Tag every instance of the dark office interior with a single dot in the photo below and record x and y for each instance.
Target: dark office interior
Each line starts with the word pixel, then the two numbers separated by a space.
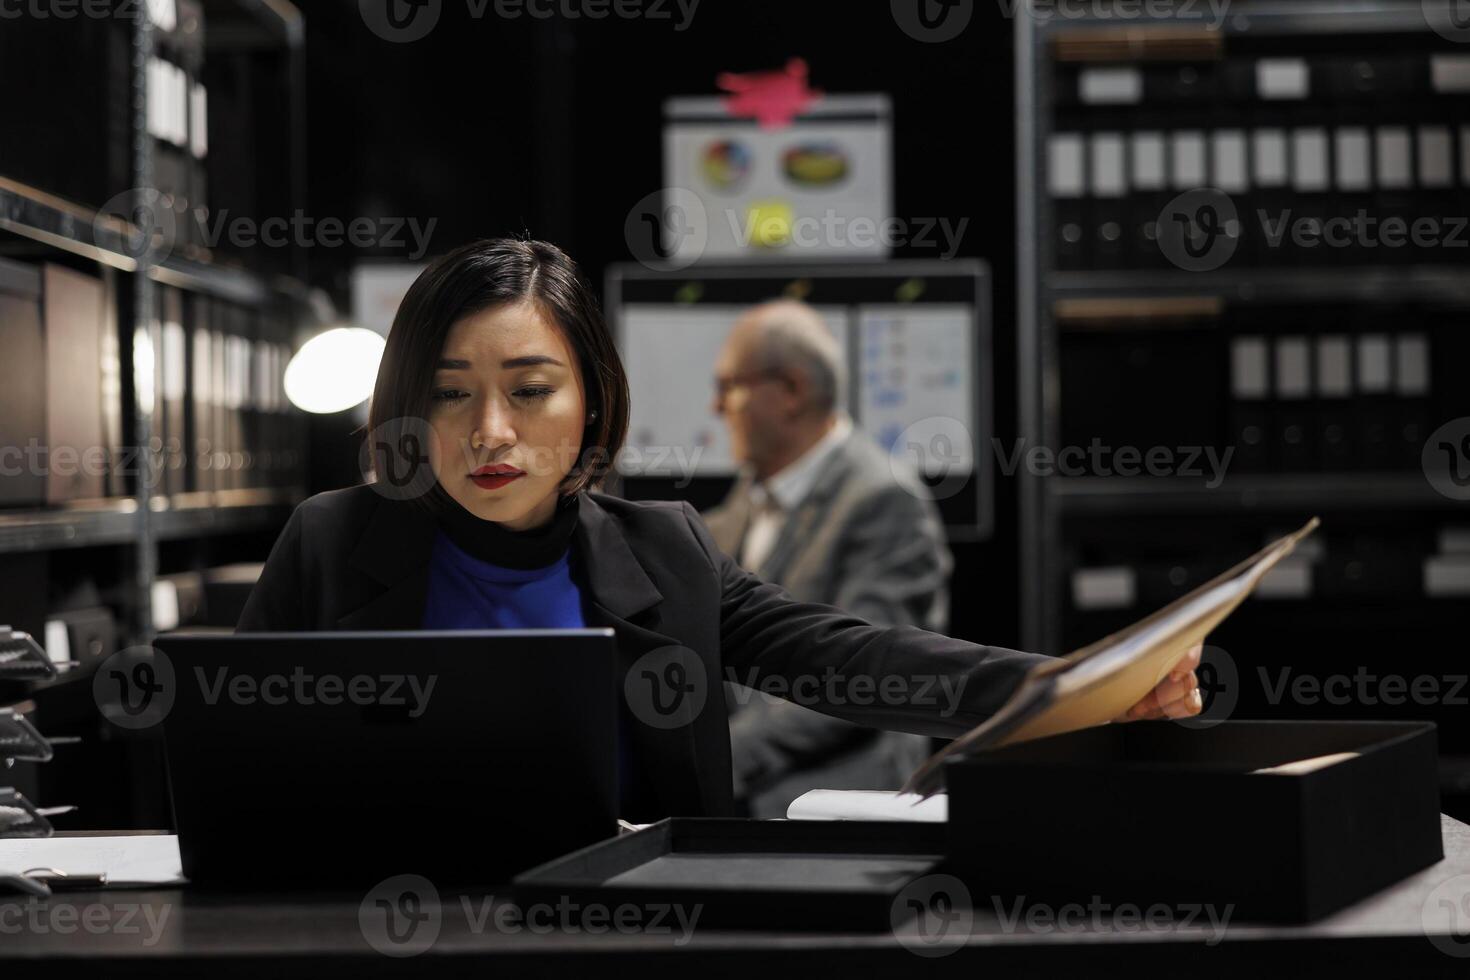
pixel 1122 292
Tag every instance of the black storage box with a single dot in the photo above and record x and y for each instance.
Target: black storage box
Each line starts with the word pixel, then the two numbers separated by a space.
pixel 1157 812
pixel 758 874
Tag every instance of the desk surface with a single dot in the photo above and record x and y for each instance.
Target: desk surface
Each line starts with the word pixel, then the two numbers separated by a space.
pixel 1406 929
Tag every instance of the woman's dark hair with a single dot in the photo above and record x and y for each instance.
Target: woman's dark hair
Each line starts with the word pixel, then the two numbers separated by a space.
pixel 491 273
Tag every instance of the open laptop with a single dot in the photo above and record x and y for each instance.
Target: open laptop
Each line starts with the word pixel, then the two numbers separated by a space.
pixel 340 759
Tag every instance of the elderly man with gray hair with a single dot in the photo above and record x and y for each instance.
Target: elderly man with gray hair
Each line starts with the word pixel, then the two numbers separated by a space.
pixel 819 510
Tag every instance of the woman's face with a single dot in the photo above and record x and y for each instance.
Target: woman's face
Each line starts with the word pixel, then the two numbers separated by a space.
pixel 507 409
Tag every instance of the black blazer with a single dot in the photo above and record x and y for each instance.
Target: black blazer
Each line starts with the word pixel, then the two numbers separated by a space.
pixel 356 560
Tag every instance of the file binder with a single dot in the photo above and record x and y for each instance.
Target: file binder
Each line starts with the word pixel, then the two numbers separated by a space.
pixel 1374 383
pixel 22 383
pixel 171 383
pixel 1148 193
pixel 219 378
pixel 73 306
pixel 1249 387
pixel 1107 185
pixel 1067 182
pixel 201 385
pixel 1333 365
pixel 1413 417
pixel 1393 148
pixel 1271 193
pixel 1294 429
pixel 111 391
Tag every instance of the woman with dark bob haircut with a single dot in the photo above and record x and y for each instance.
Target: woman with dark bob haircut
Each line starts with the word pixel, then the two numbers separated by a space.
pixel 500 404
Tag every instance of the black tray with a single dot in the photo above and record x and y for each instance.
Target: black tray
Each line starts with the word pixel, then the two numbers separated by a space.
pixel 759 874
pixel 1158 812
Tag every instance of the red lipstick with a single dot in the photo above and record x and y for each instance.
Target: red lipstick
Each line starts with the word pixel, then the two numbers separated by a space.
pixel 496 476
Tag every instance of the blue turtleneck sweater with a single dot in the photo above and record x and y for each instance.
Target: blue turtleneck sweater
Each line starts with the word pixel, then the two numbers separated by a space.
pixel 466 593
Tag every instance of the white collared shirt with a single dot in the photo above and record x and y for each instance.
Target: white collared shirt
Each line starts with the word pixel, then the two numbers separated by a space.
pixel 773 500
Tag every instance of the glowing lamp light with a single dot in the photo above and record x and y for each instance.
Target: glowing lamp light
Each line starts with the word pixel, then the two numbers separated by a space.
pixel 334 370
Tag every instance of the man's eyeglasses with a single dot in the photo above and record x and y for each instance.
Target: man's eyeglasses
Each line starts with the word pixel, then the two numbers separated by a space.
pixel 724 385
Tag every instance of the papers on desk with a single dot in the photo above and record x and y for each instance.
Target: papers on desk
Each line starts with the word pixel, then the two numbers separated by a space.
pixel 143 858
pixel 1100 682
pixel 1302 766
pixel 864 804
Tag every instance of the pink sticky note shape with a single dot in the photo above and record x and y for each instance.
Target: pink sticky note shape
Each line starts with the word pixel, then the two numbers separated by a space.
pixel 771 98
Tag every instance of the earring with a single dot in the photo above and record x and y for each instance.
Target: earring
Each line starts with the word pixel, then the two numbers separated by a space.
pixel 592 416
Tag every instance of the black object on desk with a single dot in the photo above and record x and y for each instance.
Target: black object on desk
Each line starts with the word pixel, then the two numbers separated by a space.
pixel 772 874
pixel 1159 812
pixel 1413 929
pixel 463 757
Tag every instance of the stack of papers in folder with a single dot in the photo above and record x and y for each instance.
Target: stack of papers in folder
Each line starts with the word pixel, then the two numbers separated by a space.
pixel 1100 682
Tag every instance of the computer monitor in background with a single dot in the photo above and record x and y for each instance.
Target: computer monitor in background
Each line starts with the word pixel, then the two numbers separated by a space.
pixel 916 335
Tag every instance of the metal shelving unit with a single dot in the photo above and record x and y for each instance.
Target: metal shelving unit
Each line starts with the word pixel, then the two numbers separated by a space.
pixel 118 779
pixel 103 238
pixel 1051 301
pixel 115 521
pixel 1121 496
pixel 147 518
pixel 1446 284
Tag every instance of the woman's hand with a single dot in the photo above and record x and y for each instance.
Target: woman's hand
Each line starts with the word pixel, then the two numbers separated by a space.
pixel 1176 696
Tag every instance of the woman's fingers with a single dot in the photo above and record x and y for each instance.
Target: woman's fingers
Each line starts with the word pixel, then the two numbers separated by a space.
pixel 1146 709
pixel 1189 662
pixel 1185 707
pixel 1176 696
pixel 1170 690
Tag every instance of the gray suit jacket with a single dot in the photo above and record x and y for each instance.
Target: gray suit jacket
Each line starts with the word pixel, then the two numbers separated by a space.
pixel 869 541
